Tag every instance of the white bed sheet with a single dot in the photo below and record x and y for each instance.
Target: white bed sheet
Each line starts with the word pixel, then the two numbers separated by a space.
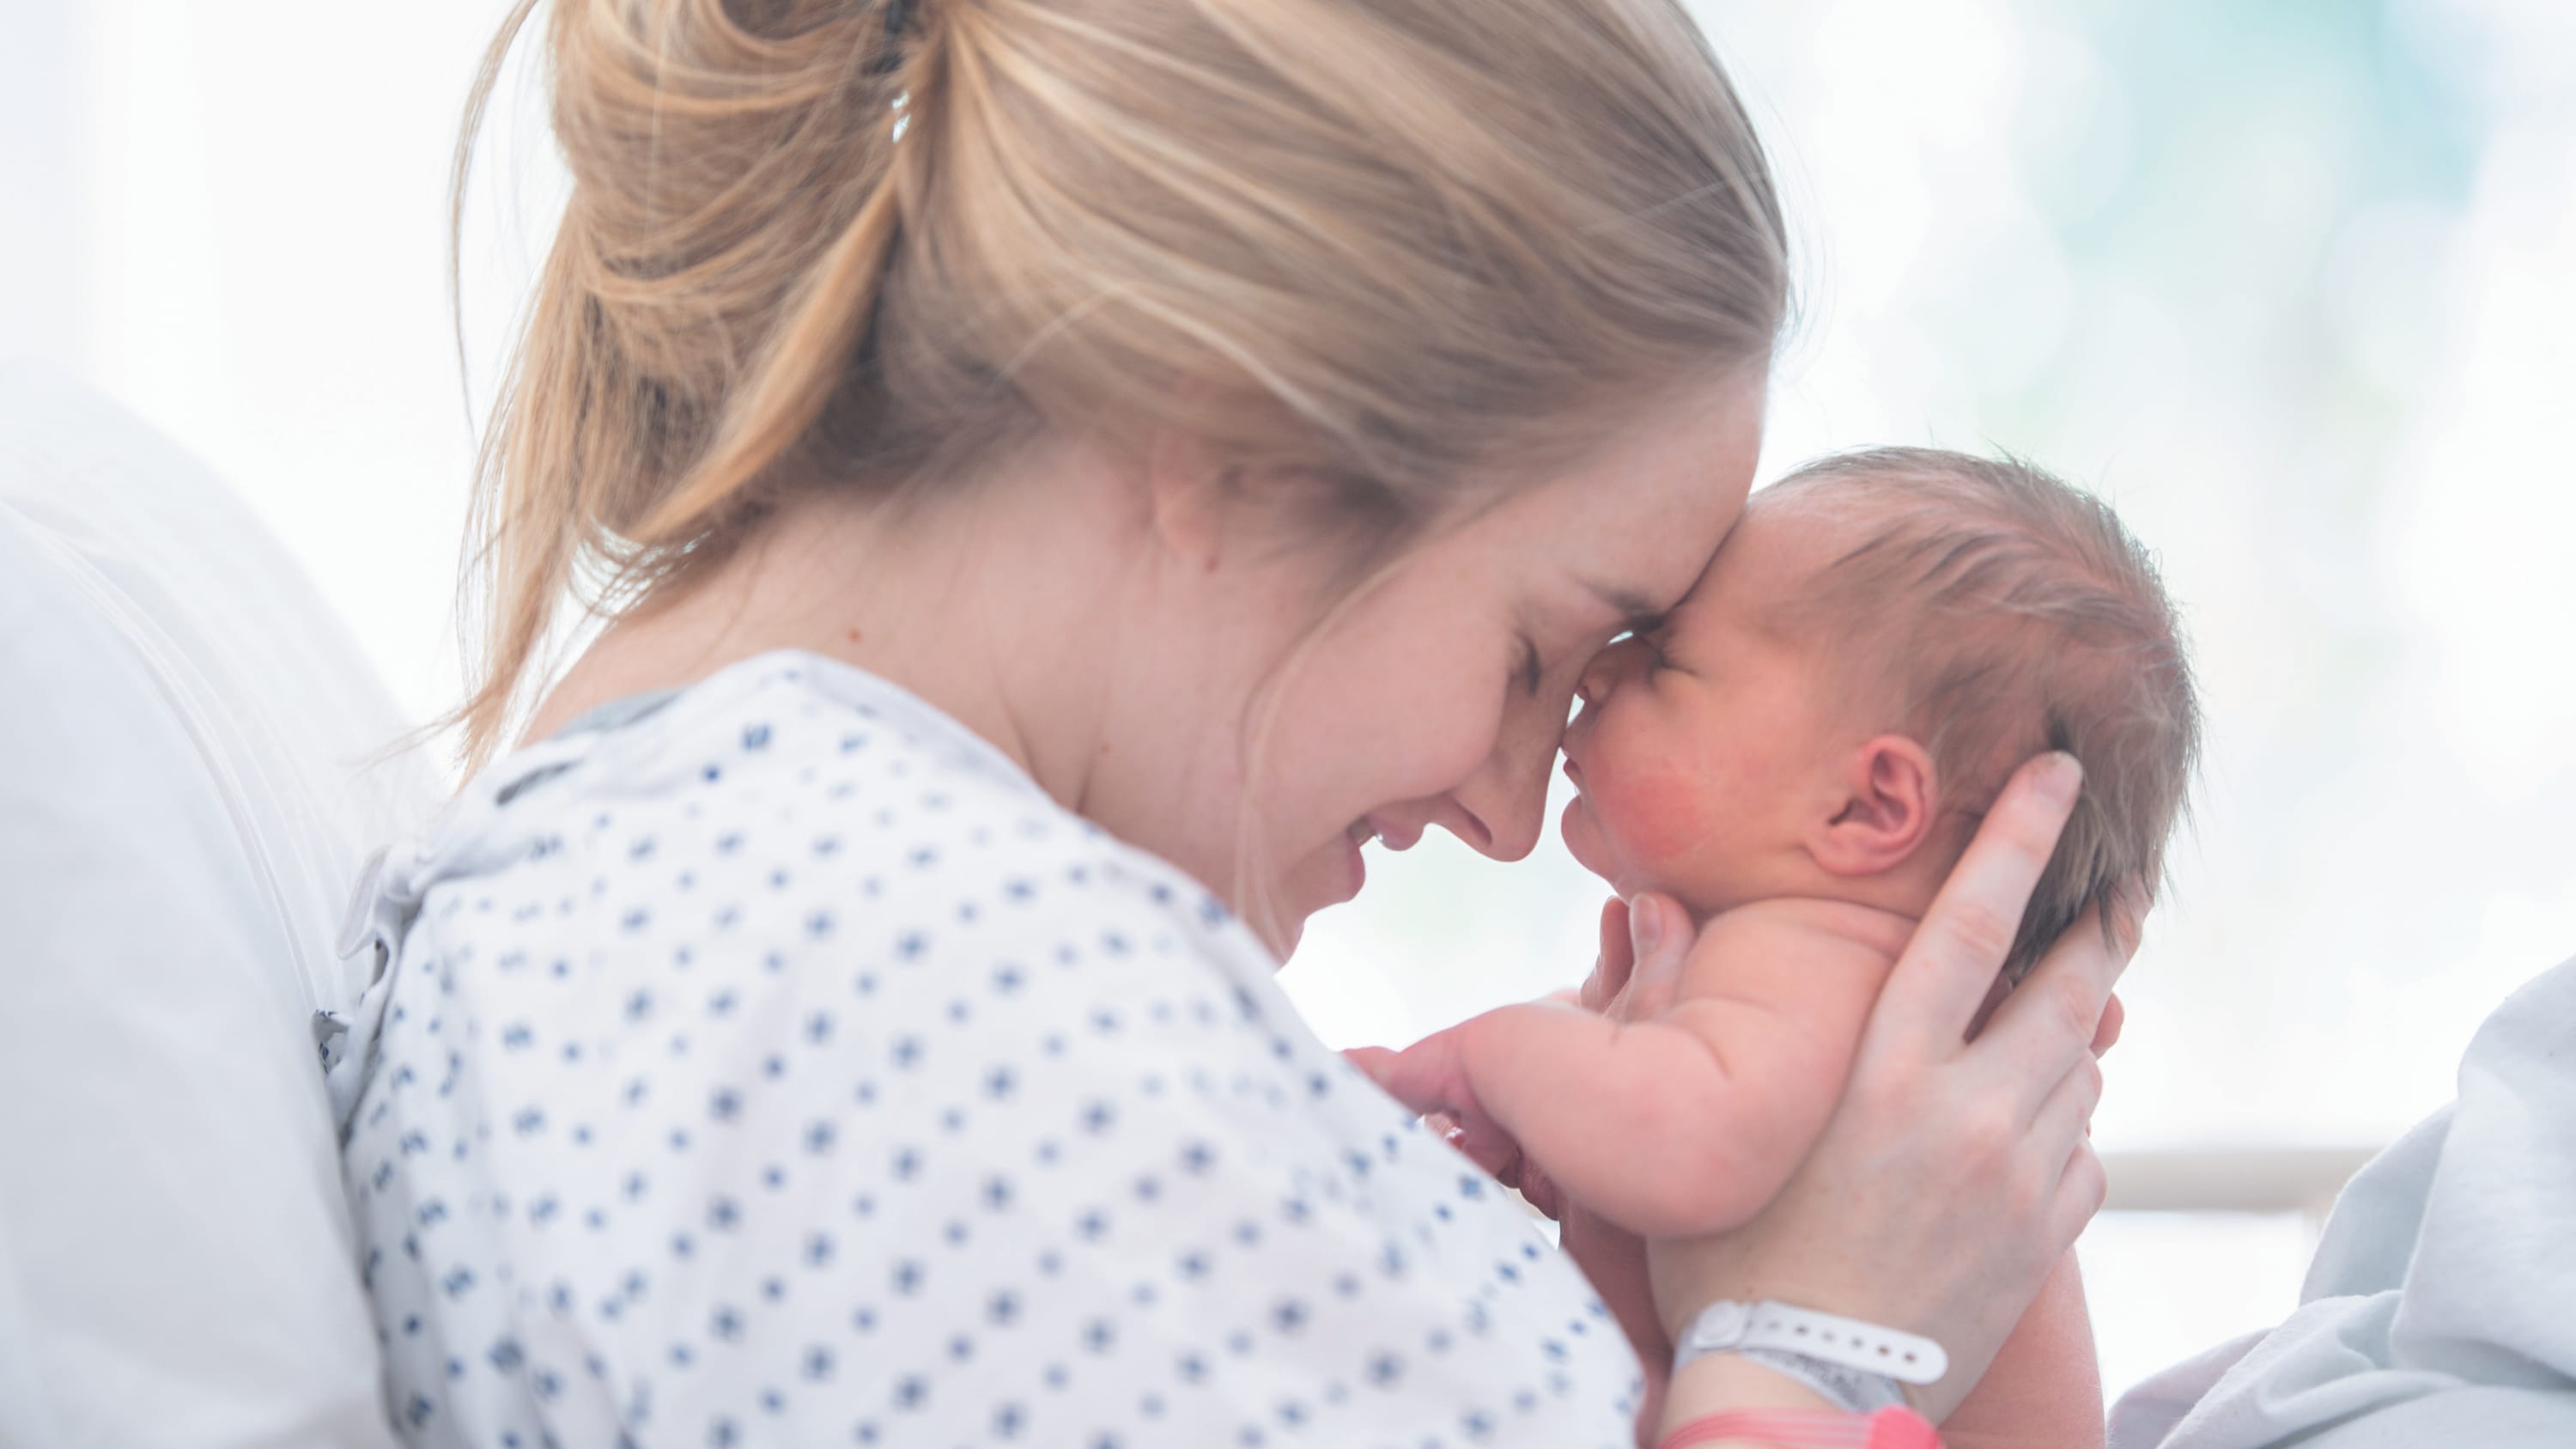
pixel 186 795
pixel 2438 1310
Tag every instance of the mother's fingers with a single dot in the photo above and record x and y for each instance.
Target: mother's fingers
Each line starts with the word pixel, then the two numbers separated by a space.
pixel 2066 1113
pixel 1951 963
pixel 1610 969
pixel 1661 937
pixel 2081 1188
pixel 2062 1134
pixel 2106 1033
pixel 2052 1019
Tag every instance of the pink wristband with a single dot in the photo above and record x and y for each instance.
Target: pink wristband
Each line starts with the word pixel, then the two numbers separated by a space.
pixel 1810 1429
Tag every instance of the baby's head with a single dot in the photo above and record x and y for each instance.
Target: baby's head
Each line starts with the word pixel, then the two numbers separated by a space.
pixel 1885 636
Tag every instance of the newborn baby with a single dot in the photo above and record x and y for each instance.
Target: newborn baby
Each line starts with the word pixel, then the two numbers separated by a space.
pixel 1799 754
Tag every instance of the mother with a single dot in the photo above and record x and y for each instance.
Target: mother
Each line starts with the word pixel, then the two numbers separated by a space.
pixel 1064 475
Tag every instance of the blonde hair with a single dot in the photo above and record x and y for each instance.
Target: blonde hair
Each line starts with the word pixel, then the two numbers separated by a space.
pixel 2014 614
pixel 870 245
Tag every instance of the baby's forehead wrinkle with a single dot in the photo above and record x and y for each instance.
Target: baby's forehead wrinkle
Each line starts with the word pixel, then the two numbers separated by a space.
pixel 1768 563
pixel 1856 526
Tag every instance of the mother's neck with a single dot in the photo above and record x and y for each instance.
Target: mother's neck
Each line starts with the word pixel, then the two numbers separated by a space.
pixel 999 604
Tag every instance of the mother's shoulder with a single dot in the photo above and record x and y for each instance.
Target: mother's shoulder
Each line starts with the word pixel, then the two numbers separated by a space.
pixel 794 813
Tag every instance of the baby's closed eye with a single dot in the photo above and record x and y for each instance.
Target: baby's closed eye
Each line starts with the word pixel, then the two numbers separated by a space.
pixel 1654 634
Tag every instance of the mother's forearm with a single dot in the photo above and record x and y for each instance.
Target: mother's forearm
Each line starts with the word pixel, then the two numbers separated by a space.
pixel 2044 1390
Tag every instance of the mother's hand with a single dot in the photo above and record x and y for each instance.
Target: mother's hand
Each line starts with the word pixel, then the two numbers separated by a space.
pixel 1955 1173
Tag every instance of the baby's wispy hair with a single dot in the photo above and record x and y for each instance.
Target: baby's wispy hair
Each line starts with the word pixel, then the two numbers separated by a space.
pixel 2013 613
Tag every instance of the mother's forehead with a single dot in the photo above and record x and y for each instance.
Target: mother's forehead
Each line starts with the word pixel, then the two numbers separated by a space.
pixel 1778 543
pixel 1639 520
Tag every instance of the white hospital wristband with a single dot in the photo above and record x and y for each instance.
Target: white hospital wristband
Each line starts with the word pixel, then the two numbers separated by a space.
pixel 1858 1366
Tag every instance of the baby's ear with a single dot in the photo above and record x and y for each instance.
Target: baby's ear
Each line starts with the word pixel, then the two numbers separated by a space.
pixel 1886 801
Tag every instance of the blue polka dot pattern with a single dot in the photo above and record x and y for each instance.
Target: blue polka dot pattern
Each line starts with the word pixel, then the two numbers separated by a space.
pixel 783 1067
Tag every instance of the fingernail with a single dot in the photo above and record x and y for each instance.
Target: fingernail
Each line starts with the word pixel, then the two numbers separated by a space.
pixel 1645 926
pixel 2062 777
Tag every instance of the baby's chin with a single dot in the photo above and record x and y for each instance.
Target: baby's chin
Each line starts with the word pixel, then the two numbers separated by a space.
pixel 1587 842
pixel 1594 849
pixel 1575 828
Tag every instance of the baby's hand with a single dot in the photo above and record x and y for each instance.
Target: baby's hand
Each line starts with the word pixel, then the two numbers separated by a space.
pixel 1491 1149
pixel 1374 1063
pixel 1430 1077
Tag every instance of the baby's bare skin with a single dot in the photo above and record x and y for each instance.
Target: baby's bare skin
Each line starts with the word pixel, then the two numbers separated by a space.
pixel 1756 758
pixel 1688 1121
pixel 1760 758
pixel 1729 769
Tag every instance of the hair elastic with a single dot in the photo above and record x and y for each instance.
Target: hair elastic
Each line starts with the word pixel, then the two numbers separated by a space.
pixel 890 51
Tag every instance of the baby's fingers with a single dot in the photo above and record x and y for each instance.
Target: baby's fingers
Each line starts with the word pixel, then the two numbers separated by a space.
pixel 1488 1146
pixel 1534 1185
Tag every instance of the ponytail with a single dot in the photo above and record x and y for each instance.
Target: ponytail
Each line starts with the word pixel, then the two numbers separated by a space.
pixel 863 243
pixel 710 279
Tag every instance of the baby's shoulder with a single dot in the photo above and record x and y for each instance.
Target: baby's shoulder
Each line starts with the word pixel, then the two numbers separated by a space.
pixel 1797 945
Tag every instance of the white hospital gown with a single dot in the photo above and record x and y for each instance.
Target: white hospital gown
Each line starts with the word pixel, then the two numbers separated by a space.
pixel 782 1066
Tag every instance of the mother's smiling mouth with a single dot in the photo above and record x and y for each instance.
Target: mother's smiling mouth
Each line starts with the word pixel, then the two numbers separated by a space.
pixel 1369 827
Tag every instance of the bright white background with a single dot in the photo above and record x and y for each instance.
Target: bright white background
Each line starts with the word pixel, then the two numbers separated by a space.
pixel 2294 284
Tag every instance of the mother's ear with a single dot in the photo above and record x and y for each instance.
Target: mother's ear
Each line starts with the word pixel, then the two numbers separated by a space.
pixel 1211 512
pixel 1883 809
pixel 1186 489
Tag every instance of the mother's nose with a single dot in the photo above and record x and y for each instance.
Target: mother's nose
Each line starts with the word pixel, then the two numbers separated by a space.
pixel 1506 799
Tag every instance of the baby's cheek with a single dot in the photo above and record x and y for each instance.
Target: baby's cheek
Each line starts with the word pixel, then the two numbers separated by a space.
pixel 1658 812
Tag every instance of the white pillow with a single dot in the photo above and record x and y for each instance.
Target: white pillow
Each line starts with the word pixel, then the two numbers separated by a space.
pixel 185 800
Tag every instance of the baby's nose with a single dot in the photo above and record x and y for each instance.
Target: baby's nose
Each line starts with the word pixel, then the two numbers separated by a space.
pixel 1586 687
pixel 1602 674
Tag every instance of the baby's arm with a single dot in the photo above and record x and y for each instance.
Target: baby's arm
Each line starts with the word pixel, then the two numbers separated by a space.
pixel 2044 1389
pixel 1689 1121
